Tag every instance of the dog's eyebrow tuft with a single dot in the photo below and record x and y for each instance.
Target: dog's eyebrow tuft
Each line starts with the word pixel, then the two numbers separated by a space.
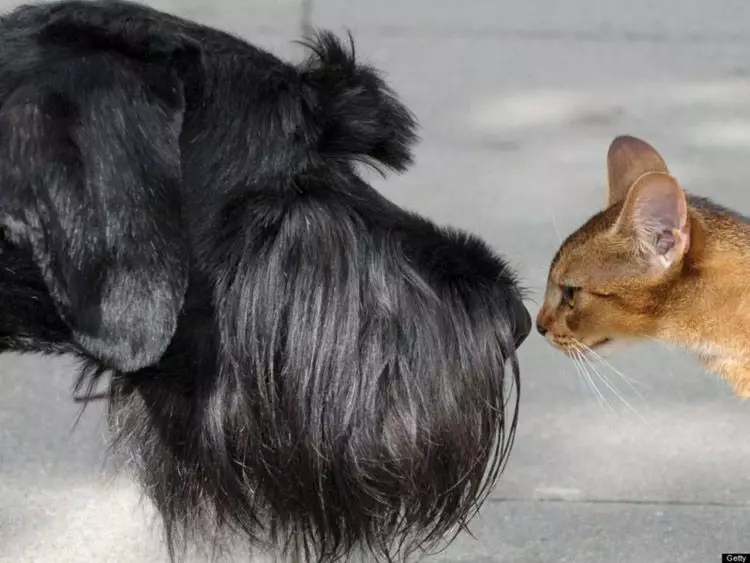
pixel 355 111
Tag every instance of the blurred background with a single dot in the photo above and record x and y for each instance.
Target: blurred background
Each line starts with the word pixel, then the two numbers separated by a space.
pixel 518 102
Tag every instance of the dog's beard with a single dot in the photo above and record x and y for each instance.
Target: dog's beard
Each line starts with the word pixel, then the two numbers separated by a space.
pixel 357 403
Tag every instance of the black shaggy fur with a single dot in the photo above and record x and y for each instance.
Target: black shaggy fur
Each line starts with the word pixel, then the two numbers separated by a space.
pixel 296 360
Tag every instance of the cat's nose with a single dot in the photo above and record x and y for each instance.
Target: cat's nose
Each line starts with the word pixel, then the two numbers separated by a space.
pixel 523 323
pixel 540 318
pixel 541 329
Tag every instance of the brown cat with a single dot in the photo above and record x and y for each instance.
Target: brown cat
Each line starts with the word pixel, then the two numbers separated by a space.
pixel 656 263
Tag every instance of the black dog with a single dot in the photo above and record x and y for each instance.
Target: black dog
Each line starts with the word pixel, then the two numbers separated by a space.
pixel 296 360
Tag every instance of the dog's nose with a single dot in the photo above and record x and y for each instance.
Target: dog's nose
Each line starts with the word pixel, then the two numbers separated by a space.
pixel 523 323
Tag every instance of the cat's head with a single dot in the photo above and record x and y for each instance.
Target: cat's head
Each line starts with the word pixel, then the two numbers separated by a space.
pixel 608 279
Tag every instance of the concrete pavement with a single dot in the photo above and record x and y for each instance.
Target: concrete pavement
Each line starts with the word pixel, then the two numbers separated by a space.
pixel 518 102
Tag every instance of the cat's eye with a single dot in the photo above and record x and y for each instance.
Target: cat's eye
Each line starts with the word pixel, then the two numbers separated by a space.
pixel 569 294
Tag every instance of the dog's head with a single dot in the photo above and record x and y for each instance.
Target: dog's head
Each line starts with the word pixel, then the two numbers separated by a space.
pixel 329 372
pixel 352 384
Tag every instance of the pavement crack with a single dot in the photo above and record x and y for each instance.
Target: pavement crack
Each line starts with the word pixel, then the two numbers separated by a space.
pixel 631 502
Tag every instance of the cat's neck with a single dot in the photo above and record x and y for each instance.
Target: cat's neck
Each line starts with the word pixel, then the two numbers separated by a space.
pixel 708 307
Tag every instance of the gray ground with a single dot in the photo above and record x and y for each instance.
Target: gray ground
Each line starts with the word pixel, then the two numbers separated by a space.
pixel 518 102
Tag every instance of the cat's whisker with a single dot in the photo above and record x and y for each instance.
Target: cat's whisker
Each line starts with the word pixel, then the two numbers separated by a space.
pixel 583 386
pixel 599 394
pixel 616 392
pixel 586 379
pixel 576 365
pixel 555 225
pixel 629 382
pixel 580 383
pixel 627 379
pixel 607 404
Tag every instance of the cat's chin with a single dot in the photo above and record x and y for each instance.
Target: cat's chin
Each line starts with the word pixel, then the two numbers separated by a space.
pixel 605 346
pixel 600 347
pixel 608 346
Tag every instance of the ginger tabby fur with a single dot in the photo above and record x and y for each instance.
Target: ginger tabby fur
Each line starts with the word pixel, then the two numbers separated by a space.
pixel 655 263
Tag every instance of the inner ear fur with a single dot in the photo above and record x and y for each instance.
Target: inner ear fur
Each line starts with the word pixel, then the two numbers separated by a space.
pixel 655 214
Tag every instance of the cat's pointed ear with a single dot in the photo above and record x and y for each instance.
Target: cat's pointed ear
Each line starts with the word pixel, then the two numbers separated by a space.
pixel 628 159
pixel 655 215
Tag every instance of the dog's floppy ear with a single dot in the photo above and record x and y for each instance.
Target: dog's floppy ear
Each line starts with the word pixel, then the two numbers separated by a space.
pixel 90 171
